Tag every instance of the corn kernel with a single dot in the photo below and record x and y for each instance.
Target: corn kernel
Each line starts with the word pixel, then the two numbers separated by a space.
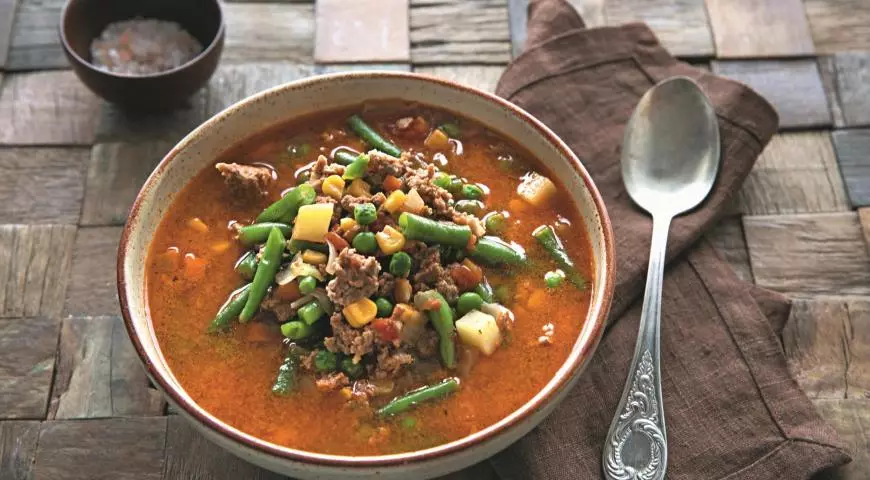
pixel 197 225
pixel 358 314
pixel 359 188
pixel 346 392
pixel 395 201
pixel 347 224
pixel 314 257
pixel 390 240
pixel 333 187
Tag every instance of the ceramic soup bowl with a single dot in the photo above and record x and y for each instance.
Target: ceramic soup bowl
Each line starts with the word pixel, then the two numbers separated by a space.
pixel 254 114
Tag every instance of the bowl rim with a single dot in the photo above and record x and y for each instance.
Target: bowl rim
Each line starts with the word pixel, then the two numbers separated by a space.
pixel 568 371
pixel 206 51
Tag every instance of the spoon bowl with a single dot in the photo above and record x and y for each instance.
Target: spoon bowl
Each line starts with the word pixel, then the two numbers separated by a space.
pixel 670 153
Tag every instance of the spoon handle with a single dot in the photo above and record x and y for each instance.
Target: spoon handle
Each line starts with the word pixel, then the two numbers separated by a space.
pixel 636 447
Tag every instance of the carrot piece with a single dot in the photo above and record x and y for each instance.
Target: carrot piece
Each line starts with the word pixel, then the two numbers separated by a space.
pixel 168 261
pixel 197 225
pixel 476 270
pixel 194 267
pixel 464 278
pixel 391 183
pixel 336 241
pixel 288 292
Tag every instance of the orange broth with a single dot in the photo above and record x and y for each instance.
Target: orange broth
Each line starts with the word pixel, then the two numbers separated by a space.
pixel 231 374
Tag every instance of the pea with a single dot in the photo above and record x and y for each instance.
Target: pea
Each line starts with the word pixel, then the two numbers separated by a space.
pixel 365 213
pixel 325 361
pixel 467 302
pixel 441 179
pixel 307 285
pixel 554 278
pixel 474 207
pixel 365 242
pixel 353 370
pixel 409 422
pixel 385 307
pixel 455 185
pixel 400 264
pixel 495 222
pixel 472 192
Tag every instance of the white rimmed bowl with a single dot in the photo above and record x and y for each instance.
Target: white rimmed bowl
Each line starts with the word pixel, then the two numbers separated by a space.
pixel 327 92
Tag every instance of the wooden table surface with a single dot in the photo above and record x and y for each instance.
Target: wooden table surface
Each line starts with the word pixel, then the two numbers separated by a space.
pixel 74 402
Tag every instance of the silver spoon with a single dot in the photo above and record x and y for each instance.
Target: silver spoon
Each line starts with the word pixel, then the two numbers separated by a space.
pixel 670 157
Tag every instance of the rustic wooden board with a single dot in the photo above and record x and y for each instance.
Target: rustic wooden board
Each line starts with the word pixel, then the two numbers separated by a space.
pixel 47 108
pixel 459 31
pixel 839 25
pixel 116 172
pixel 27 349
pixel 92 286
pixel 853 86
pixel 357 67
pixel 858 373
pixel 18 448
pixel 41 185
pixel 592 12
pixel 794 87
pixel 99 374
pixel 478 76
pixel 35 43
pixel 34 269
pixel 864 218
pixel 7 17
pixel 796 173
pixel 190 456
pixel 518 16
pixel 268 31
pixel 851 419
pixel 116 124
pixel 816 341
pixel 828 72
pixel 813 254
pixel 760 28
pixel 728 238
pixel 681 25
pixel 232 83
pixel 362 31
pixel 853 155
pixel 112 449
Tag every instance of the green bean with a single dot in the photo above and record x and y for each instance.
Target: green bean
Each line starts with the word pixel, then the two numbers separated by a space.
pixel 325 361
pixel 365 213
pixel 296 246
pixel 385 307
pixel 296 330
pixel 259 232
pixel 472 192
pixel 230 310
pixel 495 222
pixel 467 302
pixel 546 236
pixel 344 157
pixel 495 251
pixel 285 209
pixel 416 227
pixel 451 129
pixel 554 278
pixel 307 284
pixel 474 207
pixel 410 399
pixel 353 370
pixel 484 289
pixel 365 242
pixel 310 312
pixel 269 263
pixel 285 382
pixel 455 185
pixel 371 137
pixel 246 266
pixel 441 179
pixel 443 321
pixel 357 168
pixel 400 264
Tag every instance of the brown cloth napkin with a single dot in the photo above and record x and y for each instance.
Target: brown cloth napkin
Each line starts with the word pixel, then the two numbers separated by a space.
pixel 732 409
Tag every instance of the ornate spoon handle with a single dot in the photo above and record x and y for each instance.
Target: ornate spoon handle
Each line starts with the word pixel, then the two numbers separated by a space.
pixel 636 447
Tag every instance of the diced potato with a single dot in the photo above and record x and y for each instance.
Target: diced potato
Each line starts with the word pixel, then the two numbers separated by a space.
pixel 197 225
pixel 414 322
pixel 220 247
pixel 314 257
pixel 414 202
pixel 390 240
pixel 395 201
pixel 360 313
pixel 312 222
pixel 437 140
pixel 536 189
pixel 479 330
pixel 359 188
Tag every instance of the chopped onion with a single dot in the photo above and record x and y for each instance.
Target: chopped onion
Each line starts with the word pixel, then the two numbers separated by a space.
pixel 323 300
pixel 332 261
pixel 503 316
pixel 296 269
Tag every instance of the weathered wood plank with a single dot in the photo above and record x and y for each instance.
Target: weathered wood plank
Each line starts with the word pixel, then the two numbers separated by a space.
pixel 853 155
pixel 47 108
pixel 828 72
pixel 111 449
pixel 518 16
pixel 17 449
pixel 853 86
pixel 851 419
pixel 458 31
pixel 864 218
pixel 759 28
pixel 27 350
pixel 116 172
pixel 99 374
pixel 681 25
pixel 728 238
pixel 269 31
pixel 356 67
pixel 232 83
pixel 796 173
pixel 592 12
pixel 7 17
pixel 190 456
pixel 115 124
pixel 41 185
pixel 816 343
pixel 35 44
pixel 92 285
pixel 794 87
pixel 362 31
pixel 839 25
pixel 815 254
pixel 34 269
pixel 858 373
pixel 478 76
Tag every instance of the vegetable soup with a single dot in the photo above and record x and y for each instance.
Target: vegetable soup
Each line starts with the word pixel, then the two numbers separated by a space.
pixel 369 281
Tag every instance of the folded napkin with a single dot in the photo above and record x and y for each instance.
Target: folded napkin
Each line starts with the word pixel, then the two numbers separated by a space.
pixel 732 409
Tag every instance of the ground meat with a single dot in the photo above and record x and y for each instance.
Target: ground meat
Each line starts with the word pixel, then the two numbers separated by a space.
pixel 430 274
pixel 415 249
pixel 384 219
pixel 475 224
pixel 281 308
pixel 332 382
pixel 391 362
pixel 427 344
pixel 355 278
pixel 351 341
pixel 322 169
pixel 246 180
pixel 386 284
pixel 378 199
pixel 349 202
pixel 411 127
pixel 381 165
pixel 308 361
pixel 434 196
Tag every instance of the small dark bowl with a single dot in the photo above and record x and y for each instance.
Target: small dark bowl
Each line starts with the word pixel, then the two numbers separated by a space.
pixel 84 20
